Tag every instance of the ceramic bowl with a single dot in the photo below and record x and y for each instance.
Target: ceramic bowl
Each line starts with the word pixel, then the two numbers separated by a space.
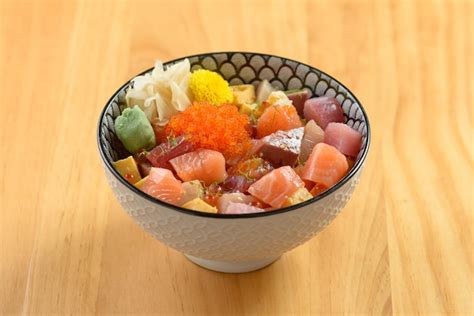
pixel 237 243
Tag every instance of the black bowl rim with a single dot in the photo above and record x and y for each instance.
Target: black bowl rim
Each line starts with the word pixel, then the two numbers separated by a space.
pixel 321 196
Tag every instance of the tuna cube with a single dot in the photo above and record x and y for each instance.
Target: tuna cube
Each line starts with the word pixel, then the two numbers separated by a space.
pixel 162 154
pixel 236 183
pixel 323 110
pixel 346 139
pixel 298 98
pixel 281 148
pixel 144 166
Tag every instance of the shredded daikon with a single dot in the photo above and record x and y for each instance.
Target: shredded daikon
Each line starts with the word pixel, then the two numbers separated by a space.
pixel 161 93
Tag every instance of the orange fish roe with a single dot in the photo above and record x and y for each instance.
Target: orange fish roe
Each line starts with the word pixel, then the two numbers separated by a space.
pixel 221 128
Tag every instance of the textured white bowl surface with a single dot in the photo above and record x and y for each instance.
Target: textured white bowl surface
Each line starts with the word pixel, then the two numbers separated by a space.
pixel 213 242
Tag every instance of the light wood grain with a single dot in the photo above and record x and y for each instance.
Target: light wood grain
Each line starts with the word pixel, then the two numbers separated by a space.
pixel 403 244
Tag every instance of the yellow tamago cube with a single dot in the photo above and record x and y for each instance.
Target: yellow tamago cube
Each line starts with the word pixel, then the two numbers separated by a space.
pixel 301 195
pixel 128 169
pixel 140 183
pixel 248 108
pixel 243 94
pixel 199 205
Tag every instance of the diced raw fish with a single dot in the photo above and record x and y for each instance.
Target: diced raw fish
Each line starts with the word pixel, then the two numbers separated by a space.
pixel 254 147
pixel 326 165
pixel 226 198
pixel 159 130
pixel 236 183
pixel 351 162
pixel 313 134
pixel 264 89
pixel 318 189
pixel 275 187
pixel 205 165
pixel 241 208
pixel 163 153
pixel 162 185
pixel 256 144
pixel 346 139
pixel 323 110
pixel 191 190
pixel 298 98
pixel 252 129
pixel 277 118
pixel 307 184
pixel 235 160
pixel 144 166
pixel 282 148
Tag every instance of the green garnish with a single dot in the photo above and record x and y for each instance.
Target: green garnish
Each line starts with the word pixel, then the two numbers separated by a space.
pixel 246 175
pixel 253 118
pixel 171 138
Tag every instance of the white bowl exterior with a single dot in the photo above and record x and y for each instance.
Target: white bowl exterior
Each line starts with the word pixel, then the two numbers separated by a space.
pixel 232 239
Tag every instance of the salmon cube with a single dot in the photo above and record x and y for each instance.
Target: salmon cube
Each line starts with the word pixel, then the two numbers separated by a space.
pixel 277 186
pixel 204 164
pixel 277 118
pixel 162 184
pixel 326 165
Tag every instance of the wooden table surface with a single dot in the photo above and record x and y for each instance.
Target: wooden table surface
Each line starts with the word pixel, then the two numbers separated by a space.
pixel 403 245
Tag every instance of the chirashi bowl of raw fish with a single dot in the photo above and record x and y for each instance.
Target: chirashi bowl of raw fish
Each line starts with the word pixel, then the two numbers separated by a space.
pixel 233 158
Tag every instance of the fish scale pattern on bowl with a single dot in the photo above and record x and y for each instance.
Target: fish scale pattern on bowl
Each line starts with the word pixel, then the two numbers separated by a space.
pixel 221 240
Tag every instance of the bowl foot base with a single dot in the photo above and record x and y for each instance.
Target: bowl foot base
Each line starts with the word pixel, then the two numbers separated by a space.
pixel 232 267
